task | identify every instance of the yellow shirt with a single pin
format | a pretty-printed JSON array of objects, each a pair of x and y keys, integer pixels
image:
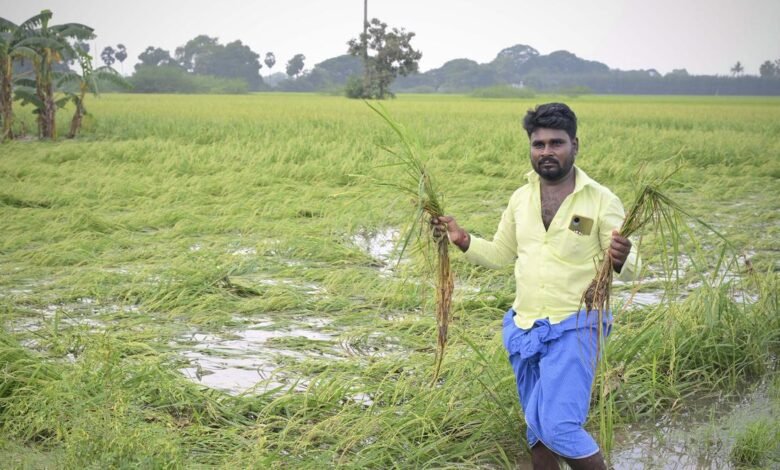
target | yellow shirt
[{"x": 553, "y": 267}]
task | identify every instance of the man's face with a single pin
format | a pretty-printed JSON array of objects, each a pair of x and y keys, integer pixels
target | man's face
[{"x": 552, "y": 153}]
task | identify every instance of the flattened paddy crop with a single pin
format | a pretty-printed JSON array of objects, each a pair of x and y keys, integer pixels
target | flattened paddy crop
[{"x": 214, "y": 281}]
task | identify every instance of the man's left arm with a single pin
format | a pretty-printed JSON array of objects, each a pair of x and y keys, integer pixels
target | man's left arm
[{"x": 624, "y": 256}]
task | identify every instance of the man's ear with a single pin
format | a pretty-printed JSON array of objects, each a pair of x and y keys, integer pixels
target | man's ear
[{"x": 576, "y": 144}]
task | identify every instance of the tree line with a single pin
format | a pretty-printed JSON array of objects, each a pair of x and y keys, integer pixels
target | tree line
[
  {"x": 202, "y": 56},
  {"x": 386, "y": 53},
  {"x": 205, "y": 65},
  {"x": 521, "y": 68}
]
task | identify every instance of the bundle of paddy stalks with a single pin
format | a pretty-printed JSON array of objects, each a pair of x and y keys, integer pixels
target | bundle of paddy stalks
[
  {"x": 420, "y": 186},
  {"x": 650, "y": 207}
]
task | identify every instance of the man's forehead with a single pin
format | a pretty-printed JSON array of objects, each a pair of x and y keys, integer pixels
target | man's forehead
[{"x": 546, "y": 133}]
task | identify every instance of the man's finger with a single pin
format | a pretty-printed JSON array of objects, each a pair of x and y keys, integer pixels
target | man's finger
[
  {"x": 443, "y": 221},
  {"x": 616, "y": 234},
  {"x": 618, "y": 240},
  {"x": 618, "y": 254},
  {"x": 622, "y": 247}
]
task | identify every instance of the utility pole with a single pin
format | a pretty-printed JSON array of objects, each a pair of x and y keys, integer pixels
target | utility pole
[
  {"x": 365, "y": 30},
  {"x": 366, "y": 81}
]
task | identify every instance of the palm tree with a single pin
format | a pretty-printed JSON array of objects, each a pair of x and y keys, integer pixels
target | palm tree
[
  {"x": 11, "y": 36},
  {"x": 51, "y": 46},
  {"x": 121, "y": 55},
  {"x": 737, "y": 69},
  {"x": 270, "y": 60}
]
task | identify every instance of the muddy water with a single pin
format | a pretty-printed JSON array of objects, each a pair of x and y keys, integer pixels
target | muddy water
[
  {"x": 80, "y": 313},
  {"x": 379, "y": 245},
  {"x": 700, "y": 438},
  {"x": 248, "y": 360},
  {"x": 667, "y": 444},
  {"x": 638, "y": 298},
  {"x": 242, "y": 360}
]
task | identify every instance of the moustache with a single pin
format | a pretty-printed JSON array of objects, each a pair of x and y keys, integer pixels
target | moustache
[{"x": 546, "y": 160}]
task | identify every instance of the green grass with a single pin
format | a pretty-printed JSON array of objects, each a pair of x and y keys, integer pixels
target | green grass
[
  {"x": 175, "y": 215},
  {"x": 756, "y": 439},
  {"x": 755, "y": 443}
]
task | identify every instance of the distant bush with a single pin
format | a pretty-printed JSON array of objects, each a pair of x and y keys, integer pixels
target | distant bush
[
  {"x": 219, "y": 85},
  {"x": 296, "y": 85},
  {"x": 420, "y": 89},
  {"x": 354, "y": 87},
  {"x": 575, "y": 91},
  {"x": 503, "y": 91},
  {"x": 162, "y": 79},
  {"x": 332, "y": 90},
  {"x": 173, "y": 79}
]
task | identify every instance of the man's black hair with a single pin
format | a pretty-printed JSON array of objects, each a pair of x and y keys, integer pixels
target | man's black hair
[{"x": 551, "y": 116}]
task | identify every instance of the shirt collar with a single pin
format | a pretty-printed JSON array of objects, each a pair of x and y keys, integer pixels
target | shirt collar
[{"x": 581, "y": 179}]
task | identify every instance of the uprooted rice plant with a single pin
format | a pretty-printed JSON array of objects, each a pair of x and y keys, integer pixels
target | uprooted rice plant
[
  {"x": 185, "y": 239},
  {"x": 420, "y": 187}
]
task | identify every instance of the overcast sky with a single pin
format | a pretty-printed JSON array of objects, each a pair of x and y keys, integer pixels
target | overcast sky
[{"x": 704, "y": 36}]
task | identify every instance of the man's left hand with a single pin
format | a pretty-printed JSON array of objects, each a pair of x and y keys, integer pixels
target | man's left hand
[{"x": 619, "y": 248}]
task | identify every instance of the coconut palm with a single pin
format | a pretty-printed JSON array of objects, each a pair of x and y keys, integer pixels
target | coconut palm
[{"x": 737, "y": 69}]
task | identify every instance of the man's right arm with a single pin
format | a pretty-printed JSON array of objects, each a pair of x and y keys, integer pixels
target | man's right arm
[{"x": 494, "y": 254}]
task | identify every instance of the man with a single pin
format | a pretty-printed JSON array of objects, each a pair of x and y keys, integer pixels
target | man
[{"x": 553, "y": 228}]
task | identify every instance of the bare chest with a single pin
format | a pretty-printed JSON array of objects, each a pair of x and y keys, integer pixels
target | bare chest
[{"x": 551, "y": 202}]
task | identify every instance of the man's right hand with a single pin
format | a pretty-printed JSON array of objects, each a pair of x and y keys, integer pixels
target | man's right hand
[{"x": 457, "y": 235}]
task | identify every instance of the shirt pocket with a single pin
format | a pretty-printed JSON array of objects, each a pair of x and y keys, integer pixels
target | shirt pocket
[{"x": 575, "y": 248}]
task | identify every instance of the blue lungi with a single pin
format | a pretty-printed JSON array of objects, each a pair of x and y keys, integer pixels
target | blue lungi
[{"x": 554, "y": 365}]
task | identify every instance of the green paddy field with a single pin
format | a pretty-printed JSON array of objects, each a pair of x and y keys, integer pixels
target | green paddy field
[{"x": 213, "y": 281}]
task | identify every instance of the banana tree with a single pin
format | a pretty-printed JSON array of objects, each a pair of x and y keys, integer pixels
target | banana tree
[
  {"x": 87, "y": 81},
  {"x": 11, "y": 49},
  {"x": 51, "y": 46}
]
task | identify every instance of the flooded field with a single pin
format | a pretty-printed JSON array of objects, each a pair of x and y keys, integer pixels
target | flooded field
[
  {"x": 705, "y": 436},
  {"x": 217, "y": 281}
]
